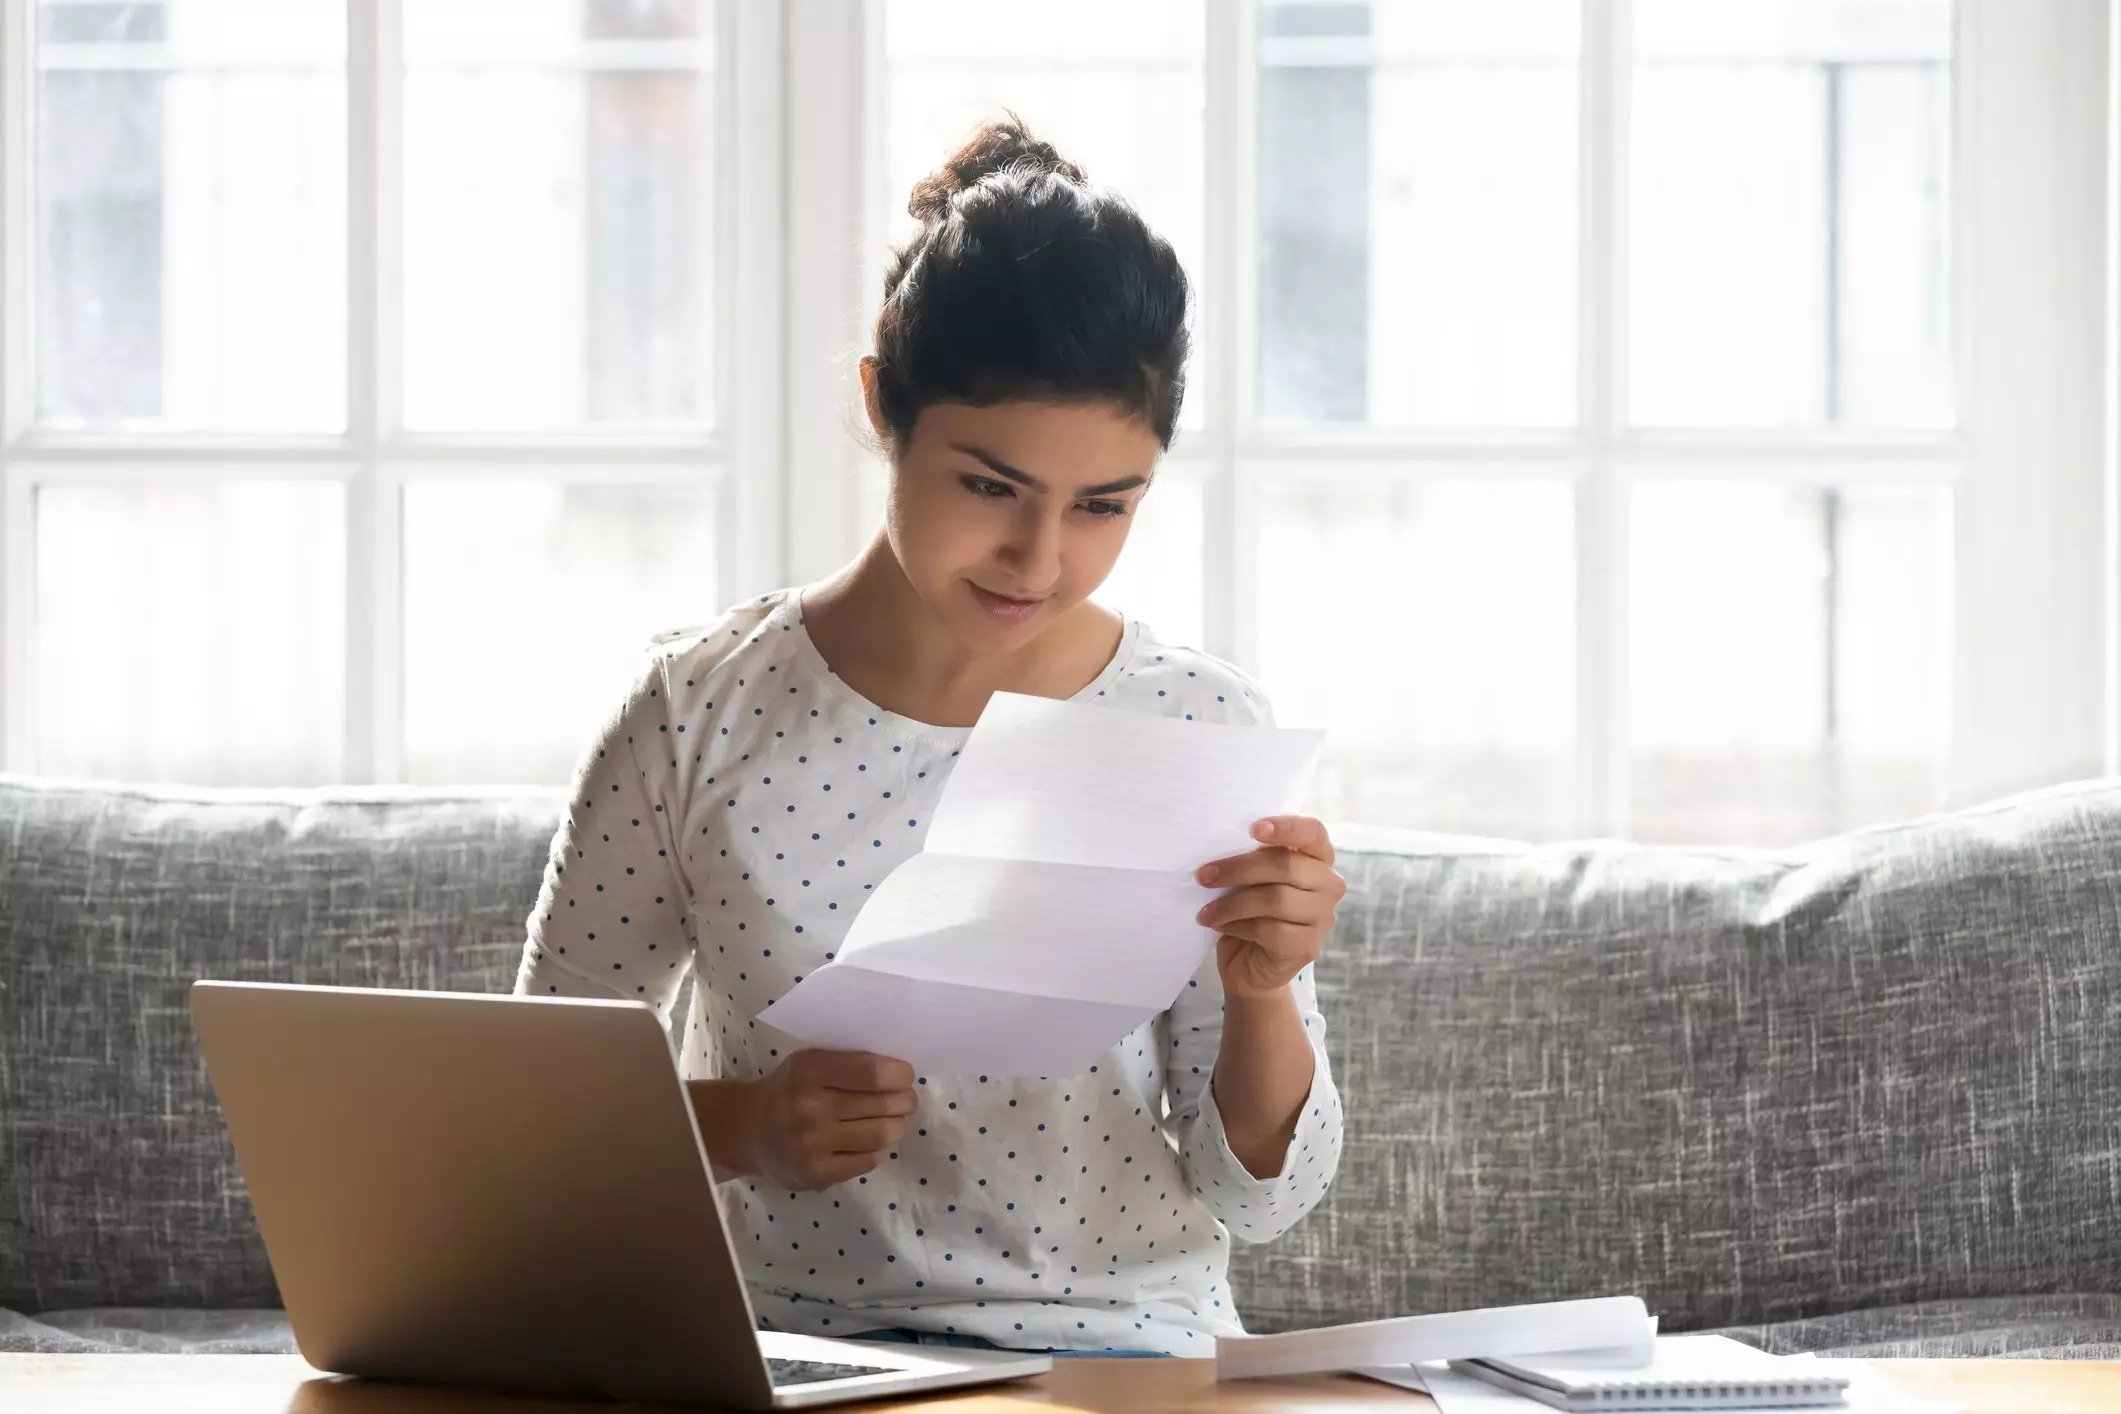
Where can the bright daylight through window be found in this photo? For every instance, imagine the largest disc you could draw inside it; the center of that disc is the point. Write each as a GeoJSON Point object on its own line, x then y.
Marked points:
{"type": "Point", "coordinates": [1573, 430]}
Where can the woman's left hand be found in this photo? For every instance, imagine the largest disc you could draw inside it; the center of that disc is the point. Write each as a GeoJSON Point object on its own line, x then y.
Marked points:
{"type": "Point", "coordinates": [1280, 902]}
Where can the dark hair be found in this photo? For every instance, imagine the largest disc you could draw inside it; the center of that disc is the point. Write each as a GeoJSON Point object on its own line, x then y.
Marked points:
{"type": "Point", "coordinates": [1028, 283]}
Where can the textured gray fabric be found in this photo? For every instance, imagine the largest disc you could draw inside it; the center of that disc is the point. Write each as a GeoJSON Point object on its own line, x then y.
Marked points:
{"type": "Point", "coordinates": [147, 1331]}
{"type": "Point", "coordinates": [1751, 1087]}
{"type": "Point", "coordinates": [118, 1185]}
{"type": "Point", "coordinates": [1754, 1088]}
{"type": "Point", "coordinates": [2023, 1327]}
{"type": "Point", "coordinates": [2014, 1327]}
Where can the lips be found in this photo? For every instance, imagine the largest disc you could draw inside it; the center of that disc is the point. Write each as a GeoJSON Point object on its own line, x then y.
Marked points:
{"type": "Point", "coordinates": [1004, 607]}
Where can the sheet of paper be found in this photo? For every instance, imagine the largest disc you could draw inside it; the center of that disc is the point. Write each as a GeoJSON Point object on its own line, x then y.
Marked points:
{"type": "Point", "coordinates": [948, 1027]}
{"type": "Point", "coordinates": [1620, 1321]}
{"type": "Point", "coordinates": [1125, 936]}
{"type": "Point", "coordinates": [1462, 1394]}
{"type": "Point", "coordinates": [1067, 783]}
{"type": "Point", "coordinates": [1051, 909]}
{"type": "Point", "coordinates": [1403, 1376]}
{"type": "Point", "coordinates": [1676, 1358]}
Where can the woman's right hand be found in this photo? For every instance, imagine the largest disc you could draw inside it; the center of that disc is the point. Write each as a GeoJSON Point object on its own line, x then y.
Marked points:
{"type": "Point", "coordinates": [825, 1117]}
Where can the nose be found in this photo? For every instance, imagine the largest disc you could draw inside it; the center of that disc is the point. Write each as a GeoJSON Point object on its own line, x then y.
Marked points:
{"type": "Point", "coordinates": [1033, 551]}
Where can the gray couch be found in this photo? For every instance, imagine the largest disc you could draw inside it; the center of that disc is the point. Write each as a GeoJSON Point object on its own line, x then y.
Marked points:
{"type": "Point", "coordinates": [1861, 1097]}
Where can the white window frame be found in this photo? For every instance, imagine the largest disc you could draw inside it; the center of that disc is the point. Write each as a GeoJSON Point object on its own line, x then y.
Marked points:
{"type": "Point", "coordinates": [2036, 595]}
{"type": "Point", "coordinates": [2033, 630]}
{"type": "Point", "coordinates": [377, 456]}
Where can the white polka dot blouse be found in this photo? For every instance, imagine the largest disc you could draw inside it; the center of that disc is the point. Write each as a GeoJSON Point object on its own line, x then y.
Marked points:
{"type": "Point", "coordinates": [728, 822]}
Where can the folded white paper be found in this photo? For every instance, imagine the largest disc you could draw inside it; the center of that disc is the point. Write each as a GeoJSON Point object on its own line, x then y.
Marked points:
{"type": "Point", "coordinates": [1051, 909]}
{"type": "Point", "coordinates": [1620, 1322]}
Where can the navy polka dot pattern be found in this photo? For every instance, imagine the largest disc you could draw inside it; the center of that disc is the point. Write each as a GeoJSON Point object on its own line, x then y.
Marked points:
{"type": "Point", "coordinates": [729, 821]}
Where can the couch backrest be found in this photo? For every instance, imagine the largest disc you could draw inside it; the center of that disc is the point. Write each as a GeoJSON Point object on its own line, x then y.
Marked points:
{"type": "Point", "coordinates": [118, 1185]}
{"type": "Point", "coordinates": [1747, 1086]}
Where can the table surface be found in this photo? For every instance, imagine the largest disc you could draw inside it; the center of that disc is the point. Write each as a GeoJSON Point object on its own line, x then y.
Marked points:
{"type": "Point", "coordinates": [285, 1384]}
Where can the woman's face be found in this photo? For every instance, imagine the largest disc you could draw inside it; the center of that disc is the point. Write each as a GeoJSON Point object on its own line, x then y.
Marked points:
{"type": "Point", "coordinates": [1006, 517]}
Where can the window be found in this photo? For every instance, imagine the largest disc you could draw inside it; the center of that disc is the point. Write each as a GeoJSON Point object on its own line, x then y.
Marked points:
{"type": "Point", "coordinates": [188, 216]}
{"type": "Point", "coordinates": [1578, 438]}
{"type": "Point", "coordinates": [1608, 416]}
{"type": "Point", "coordinates": [371, 468]}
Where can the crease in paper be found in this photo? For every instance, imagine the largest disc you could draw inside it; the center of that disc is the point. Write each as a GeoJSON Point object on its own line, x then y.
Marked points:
{"type": "Point", "coordinates": [1050, 912]}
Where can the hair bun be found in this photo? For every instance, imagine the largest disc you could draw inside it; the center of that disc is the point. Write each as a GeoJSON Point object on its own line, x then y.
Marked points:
{"type": "Point", "coordinates": [999, 145]}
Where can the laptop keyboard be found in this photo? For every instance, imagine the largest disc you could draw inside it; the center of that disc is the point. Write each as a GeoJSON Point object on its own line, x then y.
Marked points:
{"type": "Point", "coordinates": [805, 1372]}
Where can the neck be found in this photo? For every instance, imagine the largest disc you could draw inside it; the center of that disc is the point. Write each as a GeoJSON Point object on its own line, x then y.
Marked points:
{"type": "Point", "coordinates": [883, 637]}
{"type": "Point", "coordinates": [885, 641]}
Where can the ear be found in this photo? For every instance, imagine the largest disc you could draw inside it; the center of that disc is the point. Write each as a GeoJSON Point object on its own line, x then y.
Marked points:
{"type": "Point", "coordinates": [872, 401]}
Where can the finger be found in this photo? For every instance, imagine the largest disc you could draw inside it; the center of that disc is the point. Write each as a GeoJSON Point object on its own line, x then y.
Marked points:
{"type": "Point", "coordinates": [1306, 834]}
{"type": "Point", "coordinates": [1288, 942]}
{"type": "Point", "coordinates": [867, 1136]}
{"type": "Point", "coordinates": [870, 1104]}
{"type": "Point", "coordinates": [863, 1070]}
{"type": "Point", "coordinates": [1282, 901]}
{"type": "Point", "coordinates": [1269, 866]}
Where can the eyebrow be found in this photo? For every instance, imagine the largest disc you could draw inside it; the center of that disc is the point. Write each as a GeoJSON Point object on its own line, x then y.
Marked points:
{"type": "Point", "coordinates": [1002, 468]}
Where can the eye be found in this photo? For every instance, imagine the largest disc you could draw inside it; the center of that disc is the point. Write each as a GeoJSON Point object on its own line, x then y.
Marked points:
{"type": "Point", "coordinates": [987, 488]}
{"type": "Point", "coordinates": [1105, 510]}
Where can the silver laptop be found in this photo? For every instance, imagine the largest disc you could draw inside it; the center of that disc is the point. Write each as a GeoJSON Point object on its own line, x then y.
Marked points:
{"type": "Point", "coordinates": [510, 1192]}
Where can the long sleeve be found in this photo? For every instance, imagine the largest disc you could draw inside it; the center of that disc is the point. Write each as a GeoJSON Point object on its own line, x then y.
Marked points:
{"type": "Point", "coordinates": [1190, 1033]}
{"type": "Point", "coordinates": [612, 916]}
{"type": "Point", "coordinates": [1254, 1209]}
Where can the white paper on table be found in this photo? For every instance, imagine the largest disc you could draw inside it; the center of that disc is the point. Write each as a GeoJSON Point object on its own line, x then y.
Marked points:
{"type": "Point", "coordinates": [1591, 1323]}
{"type": "Point", "coordinates": [1051, 909]}
{"type": "Point", "coordinates": [1462, 1394]}
{"type": "Point", "coordinates": [1404, 1376]}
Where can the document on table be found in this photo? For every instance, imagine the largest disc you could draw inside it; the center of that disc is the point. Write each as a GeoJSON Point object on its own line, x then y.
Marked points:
{"type": "Point", "coordinates": [1051, 909]}
{"type": "Point", "coordinates": [1619, 1325]}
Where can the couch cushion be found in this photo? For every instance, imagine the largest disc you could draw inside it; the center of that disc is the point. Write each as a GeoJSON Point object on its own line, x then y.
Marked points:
{"type": "Point", "coordinates": [123, 1330]}
{"type": "Point", "coordinates": [1750, 1086]}
{"type": "Point", "coordinates": [2022, 1327]}
{"type": "Point", "coordinates": [2015, 1327]}
{"type": "Point", "coordinates": [118, 1185]}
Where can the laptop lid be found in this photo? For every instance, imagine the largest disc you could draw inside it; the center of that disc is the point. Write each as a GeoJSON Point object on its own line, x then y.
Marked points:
{"type": "Point", "coordinates": [389, 1140]}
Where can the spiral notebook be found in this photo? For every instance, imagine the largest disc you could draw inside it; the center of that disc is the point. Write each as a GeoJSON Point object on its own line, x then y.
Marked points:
{"type": "Point", "coordinates": [1685, 1372]}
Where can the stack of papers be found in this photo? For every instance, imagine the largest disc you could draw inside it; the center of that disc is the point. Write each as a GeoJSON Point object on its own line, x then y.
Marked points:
{"type": "Point", "coordinates": [1621, 1325]}
{"type": "Point", "coordinates": [1597, 1354]}
{"type": "Point", "coordinates": [1051, 909]}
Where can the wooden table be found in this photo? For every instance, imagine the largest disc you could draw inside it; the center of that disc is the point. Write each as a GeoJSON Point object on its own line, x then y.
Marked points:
{"type": "Point", "coordinates": [285, 1384]}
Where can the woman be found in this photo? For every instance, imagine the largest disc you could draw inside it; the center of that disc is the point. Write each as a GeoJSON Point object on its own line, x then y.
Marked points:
{"type": "Point", "coordinates": [767, 771]}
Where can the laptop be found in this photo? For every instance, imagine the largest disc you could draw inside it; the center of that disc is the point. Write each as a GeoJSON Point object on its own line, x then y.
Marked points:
{"type": "Point", "coordinates": [510, 1192]}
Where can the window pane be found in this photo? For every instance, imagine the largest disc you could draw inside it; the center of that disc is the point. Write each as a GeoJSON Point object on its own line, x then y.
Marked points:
{"type": "Point", "coordinates": [559, 251]}
{"type": "Point", "coordinates": [1158, 577]}
{"type": "Point", "coordinates": [188, 209]}
{"type": "Point", "coordinates": [1791, 659]}
{"type": "Point", "coordinates": [189, 632]}
{"type": "Point", "coordinates": [528, 604]}
{"type": "Point", "coordinates": [1417, 210]}
{"type": "Point", "coordinates": [1430, 628]}
{"type": "Point", "coordinates": [1116, 86]}
{"type": "Point", "coordinates": [1790, 213]}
